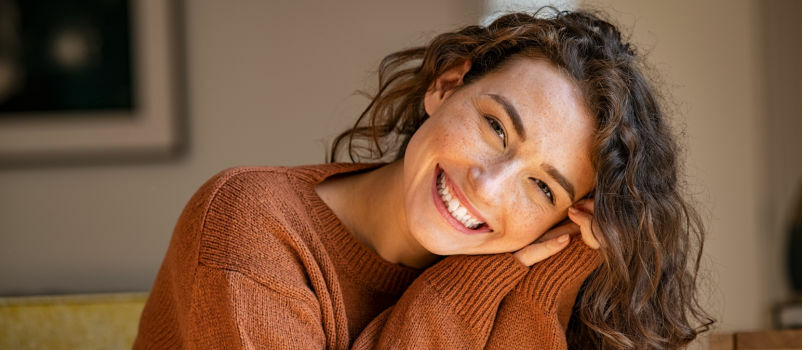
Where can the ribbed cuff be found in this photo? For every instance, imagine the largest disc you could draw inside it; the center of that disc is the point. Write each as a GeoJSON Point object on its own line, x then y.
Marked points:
{"type": "Point", "coordinates": [474, 285]}
{"type": "Point", "coordinates": [555, 281]}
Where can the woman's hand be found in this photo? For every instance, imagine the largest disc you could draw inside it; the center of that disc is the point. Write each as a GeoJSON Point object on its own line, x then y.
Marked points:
{"type": "Point", "coordinates": [552, 241]}
{"type": "Point", "coordinates": [581, 214]}
{"type": "Point", "coordinates": [549, 243]}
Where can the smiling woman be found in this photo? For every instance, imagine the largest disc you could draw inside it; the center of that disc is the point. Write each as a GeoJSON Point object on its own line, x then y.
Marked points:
{"type": "Point", "coordinates": [500, 176]}
{"type": "Point", "coordinates": [531, 202]}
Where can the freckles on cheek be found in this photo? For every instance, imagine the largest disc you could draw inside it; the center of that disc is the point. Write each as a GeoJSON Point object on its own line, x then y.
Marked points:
{"type": "Point", "coordinates": [533, 220]}
{"type": "Point", "coordinates": [461, 134]}
{"type": "Point", "coordinates": [450, 137]}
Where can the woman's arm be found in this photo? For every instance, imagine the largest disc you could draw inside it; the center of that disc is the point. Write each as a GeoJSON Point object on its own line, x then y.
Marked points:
{"type": "Point", "coordinates": [536, 313]}
{"type": "Point", "coordinates": [233, 311]}
{"type": "Point", "coordinates": [455, 303]}
{"type": "Point", "coordinates": [451, 305]}
{"type": "Point", "coordinates": [469, 302]}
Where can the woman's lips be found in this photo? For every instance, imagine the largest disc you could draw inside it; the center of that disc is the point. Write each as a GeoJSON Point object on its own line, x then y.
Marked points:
{"type": "Point", "coordinates": [441, 207]}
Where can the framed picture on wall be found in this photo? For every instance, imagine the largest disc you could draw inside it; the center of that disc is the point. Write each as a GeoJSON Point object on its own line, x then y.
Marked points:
{"type": "Point", "coordinates": [90, 81]}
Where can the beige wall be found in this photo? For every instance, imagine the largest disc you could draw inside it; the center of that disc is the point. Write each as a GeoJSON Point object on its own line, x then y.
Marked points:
{"type": "Point", "coordinates": [271, 82]}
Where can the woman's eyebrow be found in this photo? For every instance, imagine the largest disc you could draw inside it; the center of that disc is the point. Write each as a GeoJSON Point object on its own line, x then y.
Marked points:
{"type": "Point", "coordinates": [512, 113]}
{"type": "Point", "coordinates": [556, 175]}
{"type": "Point", "coordinates": [520, 130]}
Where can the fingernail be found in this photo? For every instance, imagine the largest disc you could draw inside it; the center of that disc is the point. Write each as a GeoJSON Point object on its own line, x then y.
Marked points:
{"type": "Point", "coordinates": [563, 239]}
{"type": "Point", "coordinates": [573, 210]}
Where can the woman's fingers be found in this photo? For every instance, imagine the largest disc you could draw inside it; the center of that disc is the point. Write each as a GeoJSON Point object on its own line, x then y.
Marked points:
{"type": "Point", "coordinates": [536, 252]}
{"type": "Point", "coordinates": [587, 205]}
{"type": "Point", "coordinates": [580, 213]}
{"type": "Point", "coordinates": [554, 240]}
{"type": "Point", "coordinates": [562, 228]}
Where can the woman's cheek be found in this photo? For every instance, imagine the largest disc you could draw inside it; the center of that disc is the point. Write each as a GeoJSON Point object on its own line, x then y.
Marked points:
{"type": "Point", "coordinates": [479, 142]}
{"type": "Point", "coordinates": [458, 136]}
{"type": "Point", "coordinates": [531, 221]}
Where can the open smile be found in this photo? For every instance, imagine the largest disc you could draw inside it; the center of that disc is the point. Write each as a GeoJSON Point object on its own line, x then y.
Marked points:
{"type": "Point", "coordinates": [454, 206]}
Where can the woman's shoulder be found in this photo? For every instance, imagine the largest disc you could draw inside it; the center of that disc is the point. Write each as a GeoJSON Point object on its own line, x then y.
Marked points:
{"type": "Point", "coordinates": [244, 180]}
{"type": "Point", "coordinates": [262, 205]}
{"type": "Point", "coordinates": [244, 191]}
{"type": "Point", "coordinates": [246, 185]}
{"type": "Point", "coordinates": [248, 220]}
{"type": "Point", "coordinates": [255, 220]}
{"type": "Point", "coordinates": [280, 175]}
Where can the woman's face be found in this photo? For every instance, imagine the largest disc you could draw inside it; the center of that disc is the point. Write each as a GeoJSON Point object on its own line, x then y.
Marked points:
{"type": "Point", "coordinates": [499, 161]}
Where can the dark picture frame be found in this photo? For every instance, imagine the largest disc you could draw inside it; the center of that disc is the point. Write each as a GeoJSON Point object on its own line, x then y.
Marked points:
{"type": "Point", "coordinates": [149, 124]}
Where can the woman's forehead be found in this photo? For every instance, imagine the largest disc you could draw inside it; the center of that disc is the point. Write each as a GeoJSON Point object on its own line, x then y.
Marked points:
{"type": "Point", "coordinates": [530, 79]}
{"type": "Point", "coordinates": [544, 98]}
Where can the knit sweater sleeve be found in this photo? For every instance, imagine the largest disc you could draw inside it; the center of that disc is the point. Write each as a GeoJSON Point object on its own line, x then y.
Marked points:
{"type": "Point", "coordinates": [451, 305]}
{"type": "Point", "coordinates": [536, 313]}
{"type": "Point", "coordinates": [230, 310]}
{"type": "Point", "coordinates": [486, 301]}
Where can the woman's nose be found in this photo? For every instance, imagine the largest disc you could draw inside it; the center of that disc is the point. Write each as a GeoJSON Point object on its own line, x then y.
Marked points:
{"type": "Point", "coordinates": [490, 182]}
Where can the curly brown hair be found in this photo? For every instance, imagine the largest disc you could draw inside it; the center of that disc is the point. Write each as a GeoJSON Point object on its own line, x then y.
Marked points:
{"type": "Point", "coordinates": [643, 295]}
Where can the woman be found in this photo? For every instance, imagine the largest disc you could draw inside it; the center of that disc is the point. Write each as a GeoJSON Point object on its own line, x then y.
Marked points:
{"type": "Point", "coordinates": [506, 141]}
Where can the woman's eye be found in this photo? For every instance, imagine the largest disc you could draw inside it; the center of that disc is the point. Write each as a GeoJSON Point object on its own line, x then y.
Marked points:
{"type": "Point", "coordinates": [498, 128]}
{"type": "Point", "coordinates": [546, 189]}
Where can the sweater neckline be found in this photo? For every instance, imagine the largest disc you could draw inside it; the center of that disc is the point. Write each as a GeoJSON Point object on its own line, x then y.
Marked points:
{"type": "Point", "coordinates": [363, 263]}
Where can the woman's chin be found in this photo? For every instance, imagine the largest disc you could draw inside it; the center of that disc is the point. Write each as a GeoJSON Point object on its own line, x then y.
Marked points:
{"type": "Point", "coordinates": [443, 245]}
{"type": "Point", "coordinates": [440, 250]}
{"type": "Point", "coordinates": [435, 241]}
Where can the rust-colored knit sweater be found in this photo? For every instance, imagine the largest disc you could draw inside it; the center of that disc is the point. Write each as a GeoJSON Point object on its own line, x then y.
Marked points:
{"type": "Point", "coordinates": [258, 260]}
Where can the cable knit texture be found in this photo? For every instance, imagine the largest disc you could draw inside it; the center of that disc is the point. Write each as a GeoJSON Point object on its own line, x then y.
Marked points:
{"type": "Point", "coordinates": [258, 261]}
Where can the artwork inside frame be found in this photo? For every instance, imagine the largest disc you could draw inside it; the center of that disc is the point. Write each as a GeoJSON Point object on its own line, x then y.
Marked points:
{"type": "Point", "coordinates": [90, 81]}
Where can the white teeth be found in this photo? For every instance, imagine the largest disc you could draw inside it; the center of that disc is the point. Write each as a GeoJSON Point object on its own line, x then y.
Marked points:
{"type": "Point", "coordinates": [454, 206]}
{"type": "Point", "coordinates": [465, 220]}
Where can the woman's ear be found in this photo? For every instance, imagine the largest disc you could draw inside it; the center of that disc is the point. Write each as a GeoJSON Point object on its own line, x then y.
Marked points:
{"type": "Point", "coordinates": [444, 85]}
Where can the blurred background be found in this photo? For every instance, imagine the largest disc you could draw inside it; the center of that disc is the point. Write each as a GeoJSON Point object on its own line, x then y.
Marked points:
{"type": "Point", "coordinates": [215, 84]}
